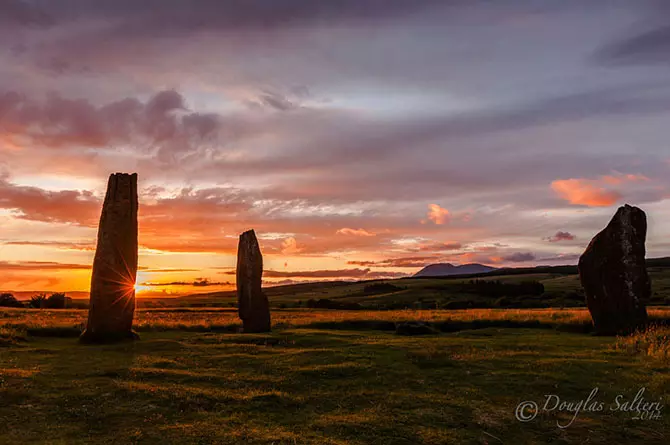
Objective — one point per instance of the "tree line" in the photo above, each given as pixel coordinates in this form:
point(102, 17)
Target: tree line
point(40, 301)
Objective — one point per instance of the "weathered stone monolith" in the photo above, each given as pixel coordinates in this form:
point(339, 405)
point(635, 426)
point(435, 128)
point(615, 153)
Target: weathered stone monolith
point(614, 275)
point(253, 305)
point(112, 301)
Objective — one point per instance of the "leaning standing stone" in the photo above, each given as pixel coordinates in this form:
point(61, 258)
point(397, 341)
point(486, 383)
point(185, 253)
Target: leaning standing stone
point(253, 305)
point(112, 301)
point(614, 275)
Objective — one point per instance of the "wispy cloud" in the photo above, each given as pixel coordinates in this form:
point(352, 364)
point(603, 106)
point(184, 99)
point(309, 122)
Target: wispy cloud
point(354, 232)
point(41, 265)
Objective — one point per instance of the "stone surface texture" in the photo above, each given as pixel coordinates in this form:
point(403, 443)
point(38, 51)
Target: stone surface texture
point(613, 273)
point(254, 309)
point(112, 299)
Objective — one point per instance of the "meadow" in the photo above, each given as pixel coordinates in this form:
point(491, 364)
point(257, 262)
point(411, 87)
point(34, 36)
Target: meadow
point(325, 377)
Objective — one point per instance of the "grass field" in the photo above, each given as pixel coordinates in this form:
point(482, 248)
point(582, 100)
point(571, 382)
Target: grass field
point(68, 323)
point(322, 377)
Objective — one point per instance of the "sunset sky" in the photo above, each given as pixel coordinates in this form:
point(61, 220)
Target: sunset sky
point(360, 139)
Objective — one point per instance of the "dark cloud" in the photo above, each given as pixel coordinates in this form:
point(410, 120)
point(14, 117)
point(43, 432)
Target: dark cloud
point(22, 13)
point(170, 17)
point(631, 99)
point(519, 257)
point(648, 47)
point(561, 236)
point(386, 274)
point(36, 204)
point(274, 100)
point(162, 125)
point(648, 42)
point(565, 258)
point(336, 273)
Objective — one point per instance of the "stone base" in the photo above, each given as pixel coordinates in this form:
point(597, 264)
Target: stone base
point(255, 328)
point(107, 337)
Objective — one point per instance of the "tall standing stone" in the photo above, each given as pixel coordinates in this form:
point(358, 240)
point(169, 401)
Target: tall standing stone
point(253, 305)
point(112, 301)
point(614, 275)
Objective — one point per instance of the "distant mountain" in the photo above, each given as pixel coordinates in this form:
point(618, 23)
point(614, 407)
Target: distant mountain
point(446, 269)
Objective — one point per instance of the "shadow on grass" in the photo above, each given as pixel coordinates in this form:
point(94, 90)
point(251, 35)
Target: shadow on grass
point(453, 326)
point(579, 327)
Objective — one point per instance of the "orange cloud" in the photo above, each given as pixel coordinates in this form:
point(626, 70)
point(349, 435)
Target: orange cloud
point(41, 265)
point(437, 214)
point(418, 261)
point(76, 246)
point(585, 192)
point(290, 246)
point(621, 178)
point(355, 232)
point(437, 247)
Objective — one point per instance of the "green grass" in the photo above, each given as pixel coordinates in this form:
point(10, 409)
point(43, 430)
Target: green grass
point(320, 387)
point(320, 379)
point(654, 341)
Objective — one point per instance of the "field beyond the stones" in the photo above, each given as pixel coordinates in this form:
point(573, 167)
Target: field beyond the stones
point(323, 377)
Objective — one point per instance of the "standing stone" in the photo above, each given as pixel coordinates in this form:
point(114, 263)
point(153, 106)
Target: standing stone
point(112, 301)
point(253, 305)
point(614, 275)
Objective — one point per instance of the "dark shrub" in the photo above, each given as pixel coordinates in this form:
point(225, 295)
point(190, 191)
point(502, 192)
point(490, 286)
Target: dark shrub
point(57, 301)
point(8, 300)
point(574, 296)
point(380, 288)
point(457, 305)
point(37, 301)
point(421, 304)
point(325, 303)
point(497, 289)
point(503, 302)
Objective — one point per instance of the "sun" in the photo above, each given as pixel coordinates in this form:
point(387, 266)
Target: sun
point(140, 288)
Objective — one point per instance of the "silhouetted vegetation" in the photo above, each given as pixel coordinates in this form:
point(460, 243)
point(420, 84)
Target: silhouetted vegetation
point(38, 301)
point(380, 288)
point(497, 289)
point(8, 300)
point(57, 301)
point(325, 303)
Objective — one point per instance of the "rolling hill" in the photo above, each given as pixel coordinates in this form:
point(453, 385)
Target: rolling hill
point(447, 269)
